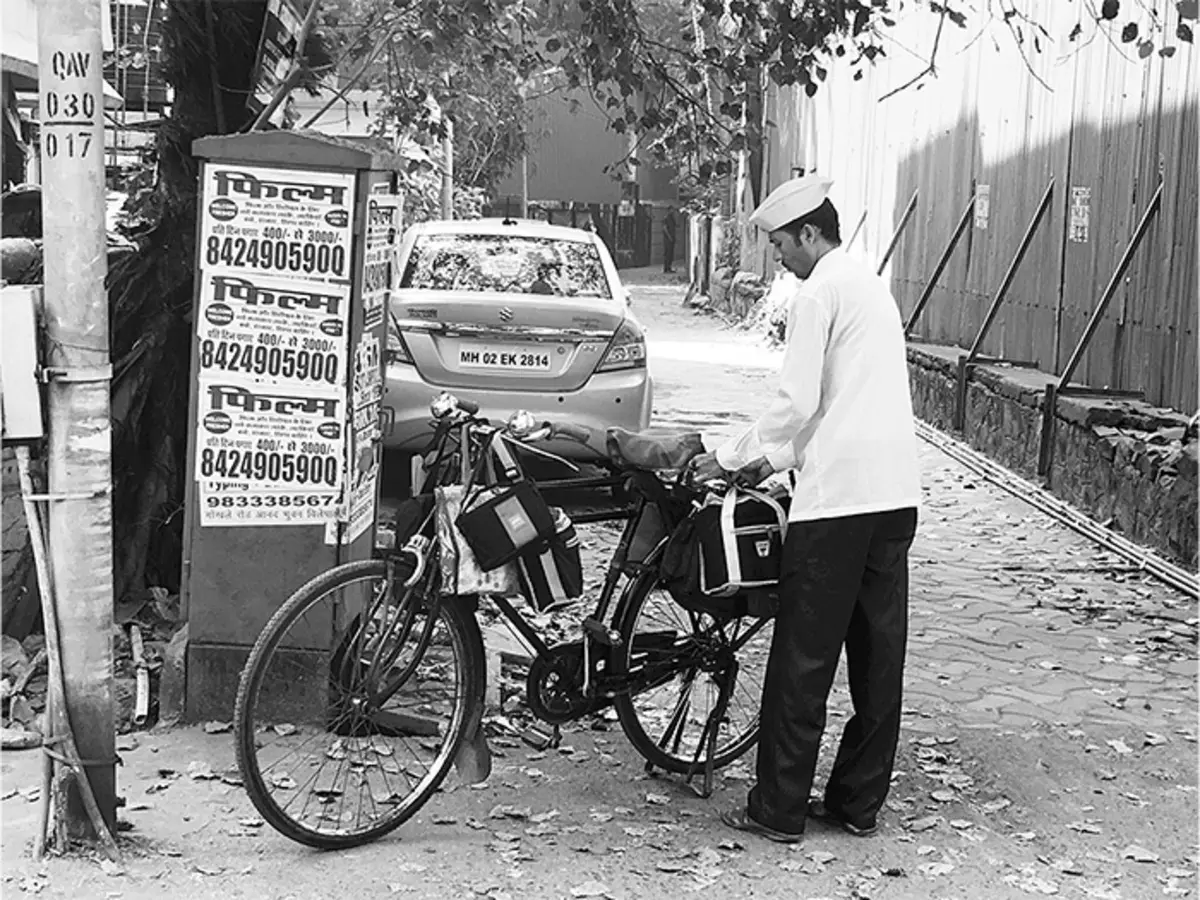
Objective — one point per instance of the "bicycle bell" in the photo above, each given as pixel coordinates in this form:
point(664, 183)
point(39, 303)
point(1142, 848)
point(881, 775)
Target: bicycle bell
point(443, 405)
point(522, 423)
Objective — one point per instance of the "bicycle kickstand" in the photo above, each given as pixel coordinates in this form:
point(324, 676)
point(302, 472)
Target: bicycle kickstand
point(712, 730)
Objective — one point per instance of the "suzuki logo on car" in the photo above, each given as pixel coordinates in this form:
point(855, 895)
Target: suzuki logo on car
point(506, 314)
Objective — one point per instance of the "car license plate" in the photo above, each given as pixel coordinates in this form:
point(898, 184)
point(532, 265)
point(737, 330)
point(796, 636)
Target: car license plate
point(496, 357)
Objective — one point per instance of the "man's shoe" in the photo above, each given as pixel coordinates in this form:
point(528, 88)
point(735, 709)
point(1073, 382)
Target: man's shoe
point(740, 819)
point(818, 810)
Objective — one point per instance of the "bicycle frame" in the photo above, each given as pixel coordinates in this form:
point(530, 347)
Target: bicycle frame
point(458, 445)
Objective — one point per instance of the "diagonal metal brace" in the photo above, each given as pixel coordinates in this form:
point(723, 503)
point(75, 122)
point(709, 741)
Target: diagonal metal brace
point(966, 363)
point(1053, 390)
point(942, 262)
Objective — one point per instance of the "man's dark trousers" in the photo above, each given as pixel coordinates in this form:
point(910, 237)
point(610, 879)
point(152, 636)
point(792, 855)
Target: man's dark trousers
point(844, 581)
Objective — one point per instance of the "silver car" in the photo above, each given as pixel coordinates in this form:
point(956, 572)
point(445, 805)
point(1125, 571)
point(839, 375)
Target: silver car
point(515, 315)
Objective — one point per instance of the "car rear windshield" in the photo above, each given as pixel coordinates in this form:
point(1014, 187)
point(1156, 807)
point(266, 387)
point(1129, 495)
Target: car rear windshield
point(508, 264)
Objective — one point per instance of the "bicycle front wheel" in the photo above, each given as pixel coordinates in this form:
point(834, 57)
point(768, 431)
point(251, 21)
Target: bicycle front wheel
point(675, 661)
point(353, 703)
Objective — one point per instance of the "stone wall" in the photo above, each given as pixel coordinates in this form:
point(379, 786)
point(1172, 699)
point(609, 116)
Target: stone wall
point(1126, 464)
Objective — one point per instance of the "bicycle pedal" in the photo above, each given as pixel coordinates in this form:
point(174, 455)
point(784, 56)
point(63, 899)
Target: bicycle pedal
point(539, 738)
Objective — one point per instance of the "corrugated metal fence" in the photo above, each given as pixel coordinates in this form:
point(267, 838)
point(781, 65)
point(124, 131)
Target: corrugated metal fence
point(1090, 116)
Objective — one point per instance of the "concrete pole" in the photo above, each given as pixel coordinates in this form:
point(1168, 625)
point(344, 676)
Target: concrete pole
point(448, 171)
point(77, 395)
point(524, 185)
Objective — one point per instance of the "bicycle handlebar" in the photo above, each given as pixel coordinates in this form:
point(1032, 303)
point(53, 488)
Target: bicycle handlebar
point(521, 425)
point(579, 433)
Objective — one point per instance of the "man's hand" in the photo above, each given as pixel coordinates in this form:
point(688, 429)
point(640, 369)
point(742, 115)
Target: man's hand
point(706, 468)
point(754, 473)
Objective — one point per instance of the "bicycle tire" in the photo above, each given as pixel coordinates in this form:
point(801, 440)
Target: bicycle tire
point(253, 724)
point(632, 708)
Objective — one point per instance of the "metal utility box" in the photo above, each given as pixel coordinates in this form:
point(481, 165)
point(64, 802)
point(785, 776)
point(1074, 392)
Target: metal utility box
point(295, 242)
point(20, 393)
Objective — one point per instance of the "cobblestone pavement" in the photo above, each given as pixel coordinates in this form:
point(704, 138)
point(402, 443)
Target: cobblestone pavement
point(1049, 743)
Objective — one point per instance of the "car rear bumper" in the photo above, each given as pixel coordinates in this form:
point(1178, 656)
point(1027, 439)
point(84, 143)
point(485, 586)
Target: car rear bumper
point(608, 399)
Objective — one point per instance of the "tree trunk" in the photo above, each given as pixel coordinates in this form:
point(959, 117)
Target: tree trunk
point(150, 291)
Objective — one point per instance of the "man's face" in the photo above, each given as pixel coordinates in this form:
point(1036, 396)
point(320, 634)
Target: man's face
point(797, 255)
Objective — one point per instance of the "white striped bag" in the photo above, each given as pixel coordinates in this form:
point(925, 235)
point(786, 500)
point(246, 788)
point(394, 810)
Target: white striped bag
point(461, 572)
point(553, 573)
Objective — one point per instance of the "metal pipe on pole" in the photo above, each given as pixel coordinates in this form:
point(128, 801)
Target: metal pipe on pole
point(78, 372)
point(448, 170)
point(525, 185)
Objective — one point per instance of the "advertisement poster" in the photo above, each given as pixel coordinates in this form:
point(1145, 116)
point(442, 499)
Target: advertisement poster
point(383, 231)
point(983, 205)
point(1081, 214)
point(272, 345)
point(277, 222)
point(265, 455)
point(365, 396)
point(384, 224)
point(276, 48)
point(273, 330)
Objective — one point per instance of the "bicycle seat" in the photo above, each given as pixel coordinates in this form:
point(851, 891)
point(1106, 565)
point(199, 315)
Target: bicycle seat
point(639, 450)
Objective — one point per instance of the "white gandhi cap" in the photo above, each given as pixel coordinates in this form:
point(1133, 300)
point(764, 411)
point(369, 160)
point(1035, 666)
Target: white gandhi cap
point(791, 200)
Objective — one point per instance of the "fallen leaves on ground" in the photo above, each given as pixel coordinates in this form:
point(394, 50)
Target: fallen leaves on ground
point(1139, 854)
point(1032, 884)
point(510, 812)
point(925, 823)
point(201, 771)
point(590, 889)
point(934, 869)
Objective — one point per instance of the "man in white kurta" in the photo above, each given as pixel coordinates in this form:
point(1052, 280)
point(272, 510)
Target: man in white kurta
point(841, 421)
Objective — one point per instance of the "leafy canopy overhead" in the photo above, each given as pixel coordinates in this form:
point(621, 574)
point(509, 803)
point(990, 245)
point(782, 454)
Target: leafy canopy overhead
point(685, 75)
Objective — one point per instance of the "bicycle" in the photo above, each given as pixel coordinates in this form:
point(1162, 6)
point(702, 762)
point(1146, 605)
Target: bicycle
point(368, 682)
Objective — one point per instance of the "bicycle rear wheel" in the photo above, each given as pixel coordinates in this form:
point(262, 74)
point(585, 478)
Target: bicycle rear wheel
point(676, 660)
point(353, 702)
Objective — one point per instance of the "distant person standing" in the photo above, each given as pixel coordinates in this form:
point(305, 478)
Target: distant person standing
point(669, 227)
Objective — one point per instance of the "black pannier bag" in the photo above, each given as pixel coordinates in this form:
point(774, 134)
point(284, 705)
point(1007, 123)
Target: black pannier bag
point(725, 558)
point(553, 573)
point(741, 542)
point(499, 522)
point(410, 515)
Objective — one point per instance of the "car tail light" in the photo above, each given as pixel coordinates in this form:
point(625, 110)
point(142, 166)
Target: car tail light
point(627, 350)
point(397, 351)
